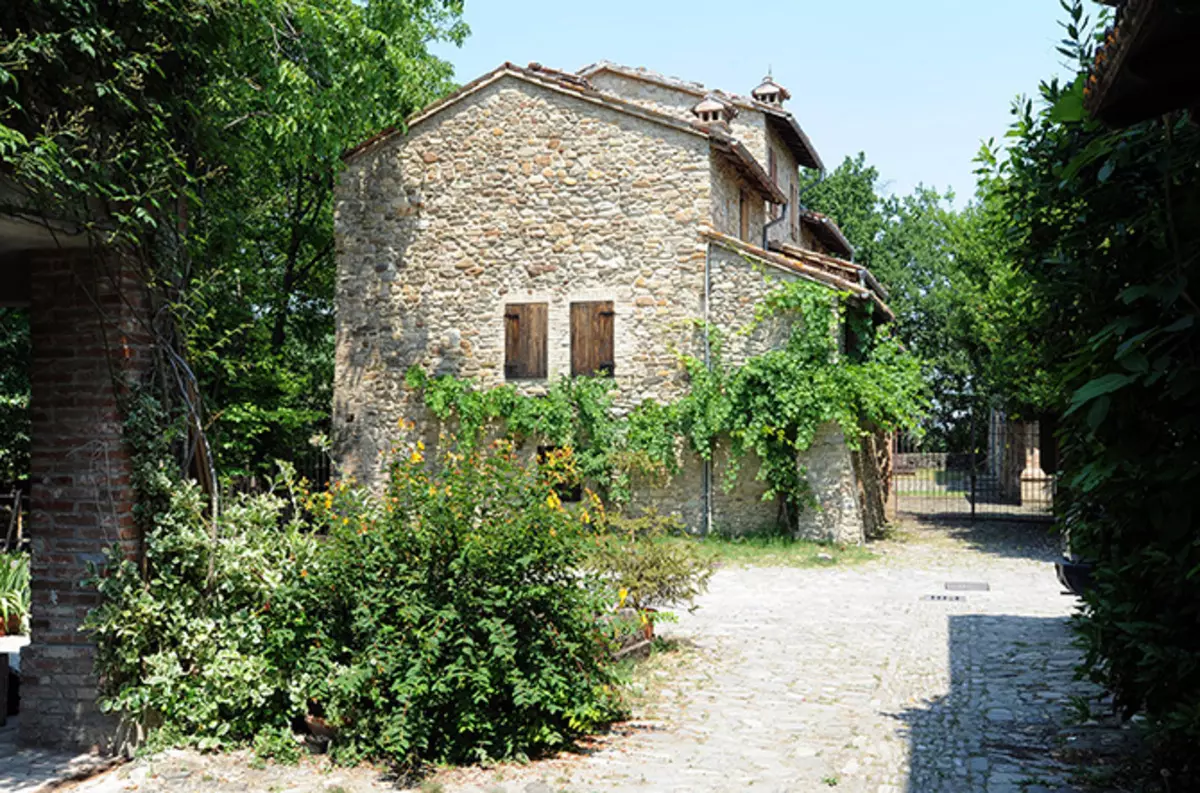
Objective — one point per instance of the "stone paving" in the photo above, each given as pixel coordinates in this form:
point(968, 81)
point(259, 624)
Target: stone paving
point(867, 678)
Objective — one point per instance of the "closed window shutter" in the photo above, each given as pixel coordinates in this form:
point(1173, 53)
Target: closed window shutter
point(592, 349)
point(744, 212)
point(525, 334)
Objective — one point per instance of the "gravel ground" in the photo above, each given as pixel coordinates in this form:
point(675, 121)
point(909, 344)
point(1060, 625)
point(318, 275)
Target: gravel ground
point(874, 677)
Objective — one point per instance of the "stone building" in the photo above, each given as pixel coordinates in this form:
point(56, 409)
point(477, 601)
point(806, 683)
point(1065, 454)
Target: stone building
point(538, 224)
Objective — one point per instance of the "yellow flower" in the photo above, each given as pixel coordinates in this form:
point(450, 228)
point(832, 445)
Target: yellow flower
point(585, 517)
point(645, 619)
point(421, 446)
point(553, 501)
point(416, 457)
point(553, 533)
point(432, 490)
point(624, 593)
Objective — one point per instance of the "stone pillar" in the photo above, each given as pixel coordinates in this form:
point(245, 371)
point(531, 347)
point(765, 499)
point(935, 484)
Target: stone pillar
point(838, 515)
point(86, 341)
point(1035, 484)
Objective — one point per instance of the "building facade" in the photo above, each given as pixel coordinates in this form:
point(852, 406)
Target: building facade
point(539, 224)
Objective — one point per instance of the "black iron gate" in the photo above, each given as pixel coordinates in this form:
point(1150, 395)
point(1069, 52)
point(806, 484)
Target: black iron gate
point(985, 466)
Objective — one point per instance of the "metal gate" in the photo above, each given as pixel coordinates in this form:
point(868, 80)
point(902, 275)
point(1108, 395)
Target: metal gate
point(980, 465)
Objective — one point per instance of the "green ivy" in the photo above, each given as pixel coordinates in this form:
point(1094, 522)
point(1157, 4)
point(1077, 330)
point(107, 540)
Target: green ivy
point(772, 405)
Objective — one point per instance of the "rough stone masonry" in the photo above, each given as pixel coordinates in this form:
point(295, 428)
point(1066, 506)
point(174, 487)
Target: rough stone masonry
point(531, 186)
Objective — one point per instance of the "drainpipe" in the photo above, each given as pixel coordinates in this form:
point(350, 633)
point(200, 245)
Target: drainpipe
point(706, 486)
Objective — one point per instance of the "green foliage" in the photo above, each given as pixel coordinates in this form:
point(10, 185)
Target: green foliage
point(15, 354)
point(14, 590)
point(204, 137)
point(448, 620)
point(772, 405)
point(949, 283)
point(465, 628)
point(1105, 225)
point(210, 643)
point(634, 556)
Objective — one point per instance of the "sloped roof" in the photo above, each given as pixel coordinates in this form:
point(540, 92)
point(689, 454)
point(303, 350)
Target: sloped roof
point(827, 231)
point(722, 143)
point(821, 268)
point(780, 120)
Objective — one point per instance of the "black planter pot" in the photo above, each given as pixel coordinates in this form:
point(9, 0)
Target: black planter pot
point(1075, 576)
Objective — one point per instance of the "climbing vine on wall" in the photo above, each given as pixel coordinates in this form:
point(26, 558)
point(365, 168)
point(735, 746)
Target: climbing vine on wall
point(771, 405)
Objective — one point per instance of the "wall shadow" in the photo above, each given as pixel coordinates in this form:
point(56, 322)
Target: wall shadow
point(1038, 540)
point(1012, 714)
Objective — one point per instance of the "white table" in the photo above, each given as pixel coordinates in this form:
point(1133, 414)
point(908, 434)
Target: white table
point(8, 644)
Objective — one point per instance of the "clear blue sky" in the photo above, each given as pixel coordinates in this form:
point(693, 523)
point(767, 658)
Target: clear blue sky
point(915, 85)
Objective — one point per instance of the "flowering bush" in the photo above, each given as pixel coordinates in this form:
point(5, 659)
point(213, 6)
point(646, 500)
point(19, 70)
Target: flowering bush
point(448, 619)
point(466, 629)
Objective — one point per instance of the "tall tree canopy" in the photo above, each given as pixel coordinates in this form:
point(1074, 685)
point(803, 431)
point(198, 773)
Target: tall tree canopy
point(205, 135)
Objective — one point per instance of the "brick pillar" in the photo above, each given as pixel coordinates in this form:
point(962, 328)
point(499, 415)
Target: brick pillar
point(84, 333)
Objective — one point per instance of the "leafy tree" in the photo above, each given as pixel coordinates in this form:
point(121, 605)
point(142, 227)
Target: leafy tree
point(1105, 227)
point(941, 267)
point(203, 138)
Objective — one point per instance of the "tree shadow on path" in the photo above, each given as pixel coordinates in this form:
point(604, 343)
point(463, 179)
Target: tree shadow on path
point(1015, 718)
point(1013, 539)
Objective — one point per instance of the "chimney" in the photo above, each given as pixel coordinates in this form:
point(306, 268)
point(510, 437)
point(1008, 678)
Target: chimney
point(712, 110)
point(770, 92)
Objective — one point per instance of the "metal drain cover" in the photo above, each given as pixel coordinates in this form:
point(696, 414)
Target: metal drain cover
point(967, 586)
point(942, 597)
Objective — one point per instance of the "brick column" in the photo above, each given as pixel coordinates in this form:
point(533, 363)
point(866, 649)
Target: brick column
point(85, 338)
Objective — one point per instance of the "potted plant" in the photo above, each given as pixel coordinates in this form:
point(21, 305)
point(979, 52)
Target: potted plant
point(14, 594)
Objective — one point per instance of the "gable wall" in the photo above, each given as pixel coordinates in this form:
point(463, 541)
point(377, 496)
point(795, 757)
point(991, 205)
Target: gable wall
point(749, 126)
point(513, 194)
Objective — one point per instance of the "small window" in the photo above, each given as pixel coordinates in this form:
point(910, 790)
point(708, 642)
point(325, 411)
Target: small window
point(525, 341)
point(744, 212)
point(592, 338)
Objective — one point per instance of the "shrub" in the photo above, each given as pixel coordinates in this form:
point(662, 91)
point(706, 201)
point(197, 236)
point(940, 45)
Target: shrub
point(637, 557)
point(209, 644)
point(447, 620)
point(467, 630)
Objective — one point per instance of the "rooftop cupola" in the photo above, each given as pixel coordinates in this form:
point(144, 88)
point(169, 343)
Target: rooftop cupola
point(770, 92)
point(711, 110)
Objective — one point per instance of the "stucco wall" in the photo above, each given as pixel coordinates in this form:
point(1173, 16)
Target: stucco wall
point(515, 194)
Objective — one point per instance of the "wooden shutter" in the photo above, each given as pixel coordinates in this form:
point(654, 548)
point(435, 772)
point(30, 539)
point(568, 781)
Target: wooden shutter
point(744, 212)
point(525, 334)
point(592, 338)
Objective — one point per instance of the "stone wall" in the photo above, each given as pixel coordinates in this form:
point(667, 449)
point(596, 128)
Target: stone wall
point(748, 126)
point(515, 194)
point(83, 320)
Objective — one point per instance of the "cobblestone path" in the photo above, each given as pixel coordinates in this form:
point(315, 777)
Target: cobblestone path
point(864, 679)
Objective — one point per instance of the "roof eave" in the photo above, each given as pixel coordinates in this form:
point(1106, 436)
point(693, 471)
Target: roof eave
point(534, 77)
point(808, 271)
